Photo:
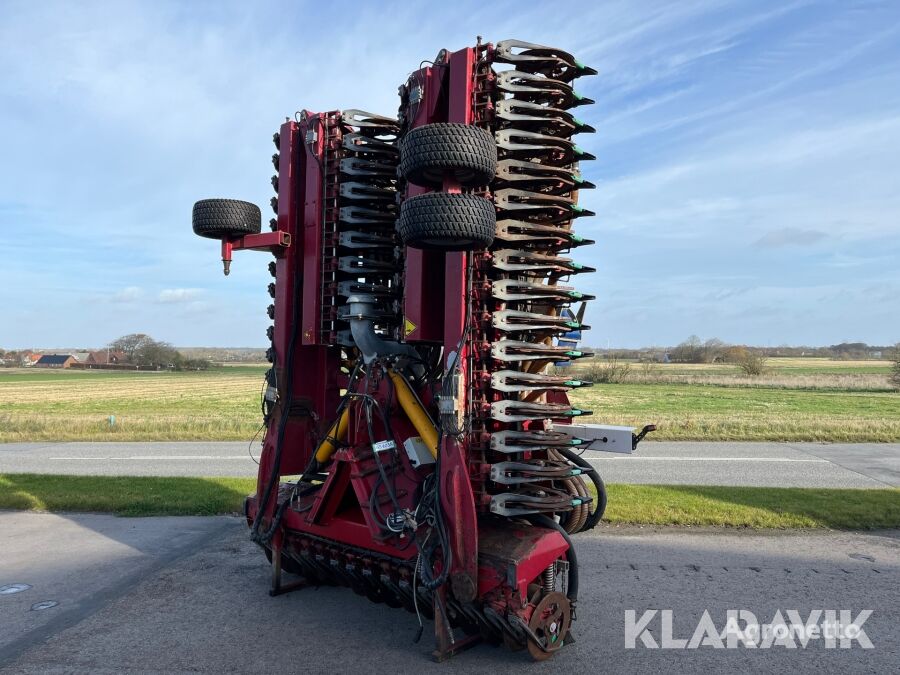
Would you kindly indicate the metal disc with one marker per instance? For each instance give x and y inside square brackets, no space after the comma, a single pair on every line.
[550,621]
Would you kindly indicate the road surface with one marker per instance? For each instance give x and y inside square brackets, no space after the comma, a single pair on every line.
[767,464]
[190,594]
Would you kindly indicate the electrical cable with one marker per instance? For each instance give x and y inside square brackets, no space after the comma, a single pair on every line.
[571,557]
[252,440]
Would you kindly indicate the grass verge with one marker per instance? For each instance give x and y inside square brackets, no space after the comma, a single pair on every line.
[683,505]
[125,495]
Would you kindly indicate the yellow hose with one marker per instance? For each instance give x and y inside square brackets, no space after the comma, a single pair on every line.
[415,412]
[337,432]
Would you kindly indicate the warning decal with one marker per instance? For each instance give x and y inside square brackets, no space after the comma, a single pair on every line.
[408,327]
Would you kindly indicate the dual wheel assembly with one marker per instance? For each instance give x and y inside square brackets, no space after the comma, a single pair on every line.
[441,156]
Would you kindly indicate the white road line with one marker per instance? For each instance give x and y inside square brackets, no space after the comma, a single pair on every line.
[710,459]
[151,458]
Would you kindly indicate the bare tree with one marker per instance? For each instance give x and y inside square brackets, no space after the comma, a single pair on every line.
[130,345]
[712,350]
[157,355]
[754,364]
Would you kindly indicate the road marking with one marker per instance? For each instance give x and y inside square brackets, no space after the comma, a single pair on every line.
[712,459]
[150,458]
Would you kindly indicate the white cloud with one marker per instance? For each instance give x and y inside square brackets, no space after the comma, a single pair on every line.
[128,294]
[179,295]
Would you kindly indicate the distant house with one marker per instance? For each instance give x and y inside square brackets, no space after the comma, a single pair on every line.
[81,357]
[28,358]
[55,361]
[105,358]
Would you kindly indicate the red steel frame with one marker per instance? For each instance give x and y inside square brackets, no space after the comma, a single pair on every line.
[304,196]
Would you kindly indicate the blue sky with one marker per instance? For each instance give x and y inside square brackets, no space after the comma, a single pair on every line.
[748,157]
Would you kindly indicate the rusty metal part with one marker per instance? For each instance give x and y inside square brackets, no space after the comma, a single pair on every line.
[549,626]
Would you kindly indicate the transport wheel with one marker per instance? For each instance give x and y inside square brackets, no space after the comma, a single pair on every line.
[467,154]
[447,221]
[218,218]
[550,623]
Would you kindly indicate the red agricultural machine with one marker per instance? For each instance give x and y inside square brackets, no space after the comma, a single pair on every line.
[420,446]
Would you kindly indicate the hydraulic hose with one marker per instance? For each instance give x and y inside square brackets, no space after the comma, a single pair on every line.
[415,412]
[571,557]
[337,432]
[591,471]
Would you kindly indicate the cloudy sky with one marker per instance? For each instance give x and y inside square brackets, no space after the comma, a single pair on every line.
[748,163]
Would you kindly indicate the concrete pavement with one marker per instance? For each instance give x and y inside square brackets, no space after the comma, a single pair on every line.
[838,465]
[179,595]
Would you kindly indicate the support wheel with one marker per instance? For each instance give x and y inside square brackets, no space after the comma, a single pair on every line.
[225,218]
[550,624]
[462,152]
[447,221]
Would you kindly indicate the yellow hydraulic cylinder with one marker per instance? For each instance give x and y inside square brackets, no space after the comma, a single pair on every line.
[415,412]
[337,432]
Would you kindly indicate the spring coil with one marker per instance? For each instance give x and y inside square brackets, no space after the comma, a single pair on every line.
[548,579]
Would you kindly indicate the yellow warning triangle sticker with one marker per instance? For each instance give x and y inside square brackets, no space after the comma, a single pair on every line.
[408,327]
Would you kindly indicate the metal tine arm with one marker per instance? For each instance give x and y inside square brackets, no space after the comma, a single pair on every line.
[362,144]
[522,232]
[510,320]
[517,351]
[515,380]
[537,58]
[512,109]
[521,411]
[513,289]
[513,260]
[538,88]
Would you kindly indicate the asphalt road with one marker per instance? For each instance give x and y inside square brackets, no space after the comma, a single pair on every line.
[190,594]
[767,464]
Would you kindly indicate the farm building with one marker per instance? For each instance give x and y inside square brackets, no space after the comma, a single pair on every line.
[55,361]
[105,358]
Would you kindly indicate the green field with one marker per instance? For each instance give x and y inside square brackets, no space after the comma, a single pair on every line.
[684,505]
[798,400]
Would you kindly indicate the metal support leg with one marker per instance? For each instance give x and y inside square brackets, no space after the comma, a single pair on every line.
[446,645]
[277,587]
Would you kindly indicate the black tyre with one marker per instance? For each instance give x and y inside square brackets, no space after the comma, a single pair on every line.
[218,218]
[467,153]
[447,221]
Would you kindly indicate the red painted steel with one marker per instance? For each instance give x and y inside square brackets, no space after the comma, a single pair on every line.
[339,526]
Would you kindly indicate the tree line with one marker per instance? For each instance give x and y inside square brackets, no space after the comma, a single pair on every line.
[138,349]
